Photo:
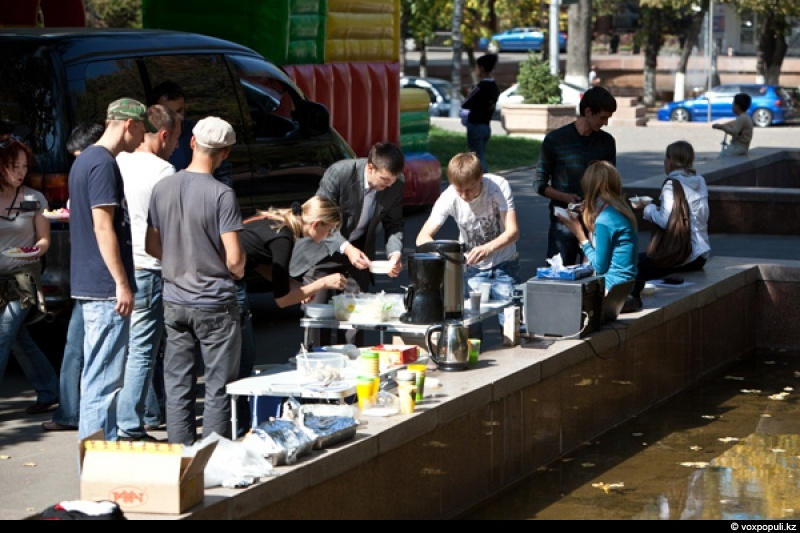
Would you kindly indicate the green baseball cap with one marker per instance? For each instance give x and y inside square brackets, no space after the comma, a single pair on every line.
[128,108]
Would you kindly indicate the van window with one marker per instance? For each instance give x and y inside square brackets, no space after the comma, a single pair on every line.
[206,82]
[28,105]
[105,82]
[271,100]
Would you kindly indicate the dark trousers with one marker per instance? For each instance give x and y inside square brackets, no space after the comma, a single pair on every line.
[648,271]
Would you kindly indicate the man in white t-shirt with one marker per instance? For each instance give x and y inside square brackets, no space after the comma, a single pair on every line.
[482,206]
[141,170]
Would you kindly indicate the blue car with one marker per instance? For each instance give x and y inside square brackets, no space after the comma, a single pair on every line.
[520,40]
[771,104]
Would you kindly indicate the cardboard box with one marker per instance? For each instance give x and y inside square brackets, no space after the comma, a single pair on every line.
[391,355]
[142,477]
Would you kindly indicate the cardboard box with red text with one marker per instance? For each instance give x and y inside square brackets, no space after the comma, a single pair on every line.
[142,477]
[393,355]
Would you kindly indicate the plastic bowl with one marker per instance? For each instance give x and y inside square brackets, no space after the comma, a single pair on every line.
[640,201]
[319,310]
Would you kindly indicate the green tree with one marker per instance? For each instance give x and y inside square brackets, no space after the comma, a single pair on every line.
[772,46]
[113,13]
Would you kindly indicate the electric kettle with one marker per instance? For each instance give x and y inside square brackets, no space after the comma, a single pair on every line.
[451,351]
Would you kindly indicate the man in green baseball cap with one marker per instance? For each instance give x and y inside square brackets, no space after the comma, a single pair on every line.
[128,108]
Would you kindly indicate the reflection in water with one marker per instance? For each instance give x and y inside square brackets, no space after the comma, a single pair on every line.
[727,450]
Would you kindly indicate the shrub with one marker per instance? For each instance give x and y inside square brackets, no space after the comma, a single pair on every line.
[537,84]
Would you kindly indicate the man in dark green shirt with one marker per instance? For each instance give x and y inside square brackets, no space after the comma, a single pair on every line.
[565,154]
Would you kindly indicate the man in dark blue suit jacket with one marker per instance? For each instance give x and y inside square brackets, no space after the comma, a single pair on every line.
[369,191]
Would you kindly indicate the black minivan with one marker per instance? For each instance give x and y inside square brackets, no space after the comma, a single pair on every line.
[51,79]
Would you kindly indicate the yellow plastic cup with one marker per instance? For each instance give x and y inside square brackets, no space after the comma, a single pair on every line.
[419,370]
[366,390]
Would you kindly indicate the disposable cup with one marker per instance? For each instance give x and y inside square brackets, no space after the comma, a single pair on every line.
[366,390]
[420,371]
[474,350]
[475,301]
[486,292]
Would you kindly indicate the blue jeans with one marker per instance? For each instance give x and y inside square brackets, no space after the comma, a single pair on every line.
[248,357]
[34,364]
[503,277]
[105,346]
[147,328]
[219,335]
[69,397]
[477,139]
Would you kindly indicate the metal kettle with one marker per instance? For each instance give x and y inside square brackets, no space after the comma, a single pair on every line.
[451,351]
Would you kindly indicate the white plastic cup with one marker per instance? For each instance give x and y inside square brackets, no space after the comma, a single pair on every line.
[486,292]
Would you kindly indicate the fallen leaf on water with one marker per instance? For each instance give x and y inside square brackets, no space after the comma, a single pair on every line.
[779,396]
[637,434]
[709,417]
[695,464]
[620,382]
[728,439]
[28,464]
[750,391]
[796,374]
[587,465]
[778,450]
[695,448]
[567,459]
[737,378]
[788,389]
[769,362]
[766,415]
[608,486]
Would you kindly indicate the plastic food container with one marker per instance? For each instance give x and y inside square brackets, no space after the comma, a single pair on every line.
[361,308]
[312,364]
[319,310]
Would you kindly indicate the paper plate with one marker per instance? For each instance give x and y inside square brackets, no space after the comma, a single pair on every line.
[19,254]
[55,216]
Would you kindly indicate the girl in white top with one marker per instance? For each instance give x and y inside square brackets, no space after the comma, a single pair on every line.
[678,165]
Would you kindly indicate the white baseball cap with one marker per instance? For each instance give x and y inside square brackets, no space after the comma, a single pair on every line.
[213,132]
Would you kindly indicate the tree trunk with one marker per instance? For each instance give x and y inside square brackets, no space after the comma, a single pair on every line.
[686,51]
[579,44]
[653,26]
[771,48]
[423,60]
[458,16]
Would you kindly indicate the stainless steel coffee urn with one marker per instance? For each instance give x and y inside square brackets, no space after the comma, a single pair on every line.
[453,253]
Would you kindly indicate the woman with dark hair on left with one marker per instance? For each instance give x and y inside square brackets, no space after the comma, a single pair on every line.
[24,239]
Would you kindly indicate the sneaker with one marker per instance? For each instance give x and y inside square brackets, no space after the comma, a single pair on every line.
[152,427]
[632,304]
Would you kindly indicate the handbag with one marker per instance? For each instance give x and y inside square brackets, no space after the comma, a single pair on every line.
[671,246]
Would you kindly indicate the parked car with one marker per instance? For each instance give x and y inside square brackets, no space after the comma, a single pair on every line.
[439,91]
[520,40]
[771,104]
[570,94]
[53,79]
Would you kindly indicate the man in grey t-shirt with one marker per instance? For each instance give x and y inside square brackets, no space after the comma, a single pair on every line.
[193,228]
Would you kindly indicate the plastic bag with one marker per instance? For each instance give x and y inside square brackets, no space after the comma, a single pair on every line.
[233,464]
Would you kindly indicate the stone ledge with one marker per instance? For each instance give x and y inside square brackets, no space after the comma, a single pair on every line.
[491,426]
